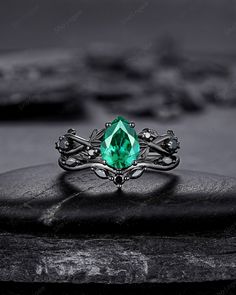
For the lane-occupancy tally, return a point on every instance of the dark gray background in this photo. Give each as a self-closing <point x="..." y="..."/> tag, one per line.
<point x="204" y="27"/>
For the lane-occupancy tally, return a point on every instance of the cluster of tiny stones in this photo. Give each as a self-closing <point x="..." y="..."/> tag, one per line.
<point x="117" y="152"/>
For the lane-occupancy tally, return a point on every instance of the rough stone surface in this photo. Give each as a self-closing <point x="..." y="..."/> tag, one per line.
<point x="51" y="200"/>
<point x="116" y="260"/>
<point x="77" y="228"/>
<point x="54" y="84"/>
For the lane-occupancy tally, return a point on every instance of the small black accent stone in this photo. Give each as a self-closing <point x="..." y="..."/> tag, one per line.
<point x="119" y="179"/>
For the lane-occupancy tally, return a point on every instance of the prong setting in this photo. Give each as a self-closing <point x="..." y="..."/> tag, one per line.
<point x="157" y="152"/>
<point x="107" y="124"/>
<point x="132" y="124"/>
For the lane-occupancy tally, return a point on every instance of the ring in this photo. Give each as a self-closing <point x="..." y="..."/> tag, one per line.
<point x="117" y="152"/>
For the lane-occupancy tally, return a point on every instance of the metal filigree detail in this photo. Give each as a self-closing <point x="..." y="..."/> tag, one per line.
<point x="157" y="152"/>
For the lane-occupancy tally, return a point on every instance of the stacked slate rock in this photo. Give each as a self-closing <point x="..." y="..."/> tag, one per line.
<point x="157" y="81"/>
<point x="74" y="233"/>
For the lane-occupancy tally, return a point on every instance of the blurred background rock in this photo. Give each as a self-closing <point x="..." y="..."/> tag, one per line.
<point x="163" y="64"/>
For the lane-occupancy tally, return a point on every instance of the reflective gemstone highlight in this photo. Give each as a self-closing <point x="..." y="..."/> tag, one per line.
<point x="120" y="146"/>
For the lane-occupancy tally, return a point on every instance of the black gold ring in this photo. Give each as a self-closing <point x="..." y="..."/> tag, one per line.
<point x="117" y="152"/>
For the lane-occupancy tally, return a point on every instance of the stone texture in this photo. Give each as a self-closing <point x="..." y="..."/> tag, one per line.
<point x="55" y="84"/>
<point x="77" y="228"/>
<point x="51" y="200"/>
<point x="116" y="260"/>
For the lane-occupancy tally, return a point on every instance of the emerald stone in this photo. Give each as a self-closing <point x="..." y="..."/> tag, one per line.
<point x="120" y="146"/>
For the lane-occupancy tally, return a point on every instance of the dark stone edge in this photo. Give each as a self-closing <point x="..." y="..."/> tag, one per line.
<point x="116" y="260"/>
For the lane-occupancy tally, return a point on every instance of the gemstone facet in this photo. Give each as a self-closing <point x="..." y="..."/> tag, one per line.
<point x="120" y="146"/>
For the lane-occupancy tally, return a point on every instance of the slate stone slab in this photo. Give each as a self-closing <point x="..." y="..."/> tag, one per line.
<point x="116" y="260"/>
<point x="206" y="288"/>
<point x="51" y="200"/>
<point x="39" y="85"/>
<point x="77" y="228"/>
<point x="165" y="84"/>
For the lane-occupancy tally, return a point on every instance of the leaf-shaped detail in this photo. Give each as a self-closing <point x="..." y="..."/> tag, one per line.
<point x="136" y="173"/>
<point x="93" y="135"/>
<point x="71" y="162"/>
<point x="82" y="156"/>
<point x="159" y="138"/>
<point x="96" y="142"/>
<point x="144" y="153"/>
<point x="100" y="134"/>
<point x="96" y="137"/>
<point x="101" y="173"/>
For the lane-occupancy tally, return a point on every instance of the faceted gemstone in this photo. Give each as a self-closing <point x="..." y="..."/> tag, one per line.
<point x="173" y="144"/>
<point x="101" y="173"/>
<point x="71" y="162"/>
<point x="120" y="146"/>
<point x="137" y="173"/>
<point x="63" y="144"/>
<point x="167" y="160"/>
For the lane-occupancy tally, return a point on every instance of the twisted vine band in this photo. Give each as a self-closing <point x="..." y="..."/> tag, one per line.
<point x="117" y="153"/>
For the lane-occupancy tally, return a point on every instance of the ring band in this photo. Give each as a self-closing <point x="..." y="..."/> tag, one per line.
<point x="117" y="152"/>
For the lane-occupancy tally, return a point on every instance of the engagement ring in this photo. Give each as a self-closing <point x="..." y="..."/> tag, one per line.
<point x="117" y="152"/>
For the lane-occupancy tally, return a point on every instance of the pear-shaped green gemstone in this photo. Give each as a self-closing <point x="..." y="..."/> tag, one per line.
<point x="120" y="146"/>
